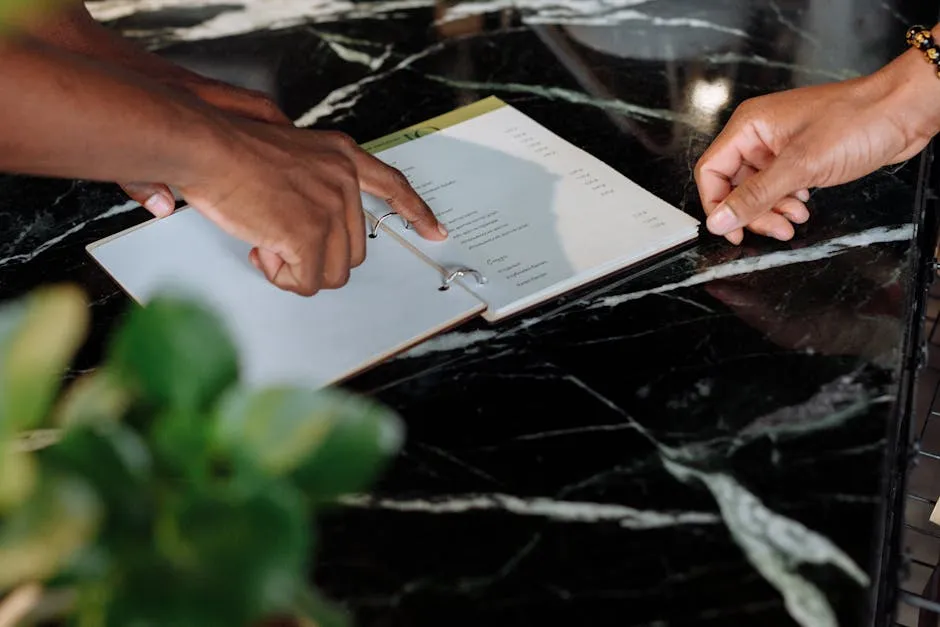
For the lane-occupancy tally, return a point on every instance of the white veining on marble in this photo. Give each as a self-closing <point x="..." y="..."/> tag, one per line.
<point x="339" y="46"/>
<point x="347" y="96"/>
<point x="253" y="16"/>
<point x="776" y="546"/>
<point x="453" y="341"/>
<point x="573" y="431"/>
<point x="453" y="459"/>
<point x="567" y="95"/>
<point x="108" y="10"/>
<point x="619" y="17"/>
<point x="281" y="14"/>
<point x="790" y="24"/>
<point x="65" y="194"/>
<point x="823" y="250"/>
<point x="560" y="511"/>
<point x="340" y="99"/>
<point x="833" y="405"/>
<point x="689" y="301"/>
<point x="734" y="58"/>
<point x="895" y="13"/>
<point x="46" y="245"/>
<point x="582" y="13"/>
<point x="570" y="10"/>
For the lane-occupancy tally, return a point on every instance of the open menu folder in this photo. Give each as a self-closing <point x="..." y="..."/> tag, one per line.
<point x="530" y="217"/>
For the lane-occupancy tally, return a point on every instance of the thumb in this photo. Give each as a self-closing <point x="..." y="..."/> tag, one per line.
<point x="756" y="195"/>
<point x="155" y="197"/>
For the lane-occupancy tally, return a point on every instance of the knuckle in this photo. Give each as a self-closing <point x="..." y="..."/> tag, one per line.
<point x="311" y="233"/>
<point x="307" y="243"/>
<point x="341" y="168"/>
<point x="748" y="106"/>
<point x="335" y="201"/>
<point x="327" y="199"/>
<point x="341" y="140"/>
<point x="307" y="290"/>
<point x="338" y="278"/>
<point x="302" y="287"/>
<point x="398" y="178"/>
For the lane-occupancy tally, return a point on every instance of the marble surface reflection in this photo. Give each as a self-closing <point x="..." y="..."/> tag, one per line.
<point x="703" y="441"/>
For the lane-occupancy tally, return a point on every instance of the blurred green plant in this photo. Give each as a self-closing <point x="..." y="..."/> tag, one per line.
<point x="172" y="494"/>
<point x="12" y="11"/>
<point x="12" y="8"/>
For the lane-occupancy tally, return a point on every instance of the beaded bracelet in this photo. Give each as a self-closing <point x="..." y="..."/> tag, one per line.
<point x="921" y="38"/>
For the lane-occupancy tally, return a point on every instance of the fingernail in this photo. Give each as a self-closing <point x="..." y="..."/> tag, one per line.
<point x="722" y="221"/>
<point x="441" y="229"/>
<point x="803" y="195"/>
<point x="159" y="205"/>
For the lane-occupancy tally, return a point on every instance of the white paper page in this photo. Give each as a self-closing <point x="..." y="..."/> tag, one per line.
<point x="391" y="301"/>
<point x="532" y="212"/>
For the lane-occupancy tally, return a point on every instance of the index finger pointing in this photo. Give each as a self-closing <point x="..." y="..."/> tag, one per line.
<point x="384" y="181"/>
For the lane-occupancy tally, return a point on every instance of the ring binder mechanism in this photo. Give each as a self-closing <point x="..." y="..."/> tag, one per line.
<point x="451" y="276"/>
<point x="375" y="229"/>
<point x="459" y="272"/>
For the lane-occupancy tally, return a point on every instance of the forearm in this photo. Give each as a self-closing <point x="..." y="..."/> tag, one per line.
<point x="62" y="115"/>
<point x="71" y="27"/>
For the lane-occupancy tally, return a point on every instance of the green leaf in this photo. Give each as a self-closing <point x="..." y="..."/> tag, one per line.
<point x="230" y="560"/>
<point x="39" y="336"/>
<point x="176" y="352"/>
<point x="117" y="465"/>
<point x="14" y="12"/>
<point x="275" y="429"/>
<point x="93" y="398"/>
<point x="180" y="440"/>
<point x="39" y="538"/>
<point x="18" y="476"/>
<point x="331" y="441"/>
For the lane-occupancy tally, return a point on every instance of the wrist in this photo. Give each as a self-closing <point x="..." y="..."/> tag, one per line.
<point x="203" y="148"/>
<point x="908" y="89"/>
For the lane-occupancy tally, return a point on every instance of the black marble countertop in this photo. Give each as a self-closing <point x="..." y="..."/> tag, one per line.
<point x="710" y="441"/>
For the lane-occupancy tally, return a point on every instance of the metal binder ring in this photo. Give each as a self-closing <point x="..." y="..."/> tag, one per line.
<point x="375" y="229"/>
<point x="459" y="272"/>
